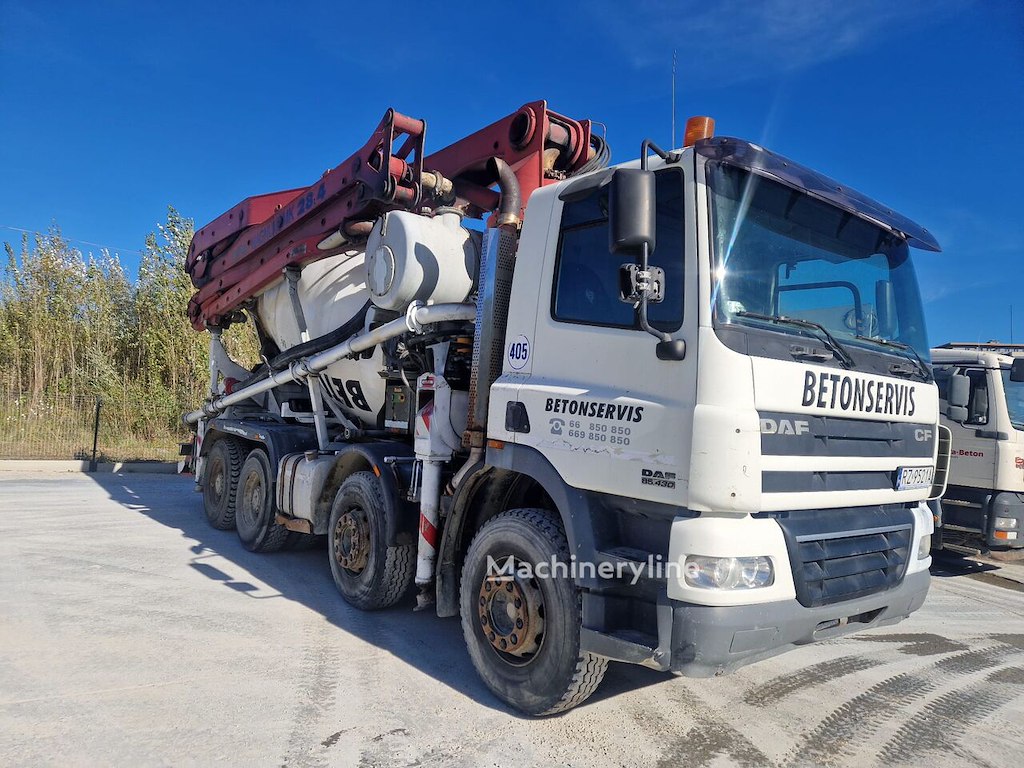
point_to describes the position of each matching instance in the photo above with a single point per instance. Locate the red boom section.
(240, 253)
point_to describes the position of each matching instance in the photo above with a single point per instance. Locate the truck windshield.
(1014, 399)
(782, 253)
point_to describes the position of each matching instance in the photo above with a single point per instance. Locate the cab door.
(973, 457)
(603, 409)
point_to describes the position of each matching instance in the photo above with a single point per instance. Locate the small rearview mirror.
(632, 211)
(1017, 370)
(956, 413)
(959, 391)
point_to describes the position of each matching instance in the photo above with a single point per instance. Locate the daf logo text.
(784, 427)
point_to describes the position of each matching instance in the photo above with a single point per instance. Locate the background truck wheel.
(223, 466)
(369, 574)
(254, 506)
(523, 634)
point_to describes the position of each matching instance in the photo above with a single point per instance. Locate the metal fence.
(65, 426)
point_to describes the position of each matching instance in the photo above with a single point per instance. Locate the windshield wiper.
(922, 366)
(829, 340)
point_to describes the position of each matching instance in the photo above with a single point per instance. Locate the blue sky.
(109, 111)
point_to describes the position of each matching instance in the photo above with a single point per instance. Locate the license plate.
(908, 478)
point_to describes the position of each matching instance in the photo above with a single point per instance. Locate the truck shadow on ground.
(946, 564)
(432, 645)
(953, 565)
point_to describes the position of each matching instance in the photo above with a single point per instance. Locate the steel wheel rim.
(510, 613)
(352, 541)
(251, 499)
(217, 482)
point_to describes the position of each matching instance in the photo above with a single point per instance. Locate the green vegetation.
(75, 327)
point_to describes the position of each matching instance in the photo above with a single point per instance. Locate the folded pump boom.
(242, 252)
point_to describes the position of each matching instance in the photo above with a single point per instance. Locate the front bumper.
(702, 641)
(710, 640)
(673, 626)
(969, 518)
(1008, 505)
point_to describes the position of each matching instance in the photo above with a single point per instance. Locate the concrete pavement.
(131, 633)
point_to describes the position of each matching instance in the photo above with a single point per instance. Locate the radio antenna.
(673, 144)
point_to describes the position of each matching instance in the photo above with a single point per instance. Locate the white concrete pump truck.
(675, 413)
(981, 394)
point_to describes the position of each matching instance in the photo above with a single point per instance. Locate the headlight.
(1006, 522)
(924, 548)
(728, 572)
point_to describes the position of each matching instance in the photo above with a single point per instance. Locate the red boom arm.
(236, 256)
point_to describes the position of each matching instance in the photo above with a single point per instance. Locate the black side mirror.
(959, 390)
(632, 211)
(885, 308)
(1017, 370)
(959, 395)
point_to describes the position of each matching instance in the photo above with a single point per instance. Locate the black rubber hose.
(602, 155)
(321, 343)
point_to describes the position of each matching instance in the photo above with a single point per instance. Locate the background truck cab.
(981, 390)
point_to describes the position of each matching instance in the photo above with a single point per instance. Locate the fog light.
(924, 548)
(728, 572)
(1006, 522)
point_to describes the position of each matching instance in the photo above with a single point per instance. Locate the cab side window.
(977, 404)
(586, 285)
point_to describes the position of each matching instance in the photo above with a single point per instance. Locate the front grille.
(842, 554)
(843, 568)
(801, 434)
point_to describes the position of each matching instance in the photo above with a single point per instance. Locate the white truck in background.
(696, 381)
(981, 394)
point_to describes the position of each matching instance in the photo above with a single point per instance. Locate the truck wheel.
(369, 574)
(254, 507)
(523, 634)
(223, 466)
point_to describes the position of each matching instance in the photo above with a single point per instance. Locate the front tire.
(369, 574)
(523, 634)
(255, 515)
(223, 467)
